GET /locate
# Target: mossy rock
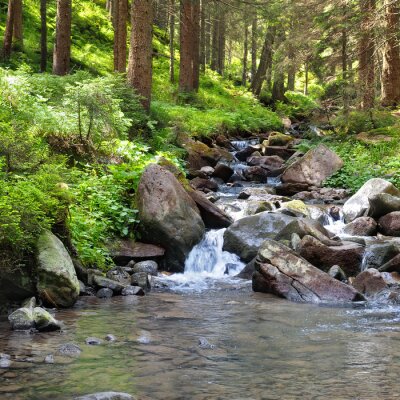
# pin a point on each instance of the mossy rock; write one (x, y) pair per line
(373, 137)
(278, 139)
(297, 206)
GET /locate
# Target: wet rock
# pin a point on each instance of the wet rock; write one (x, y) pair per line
(119, 275)
(306, 226)
(103, 282)
(271, 162)
(377, 254)
(337, 273)
(317, 165)
(256, 174)
(392, 265)
(362, 226)
(223, 172)
(297, 207)
(283, 273)
(382, 204)
(223, 141)
(280, 151)
(133, 291)
(93, 341)
(57, 283)
(277, 139)
(358, 205)
(123, 251)
(248, 271)
(244, 154)
(208, 171)
(141, 279)
(110, 338)
(49, 359)
(44, 321)
(106, 396)
(149, 267)
(169, 217)
(369, 282)
(105, 293)
(69, 350)
(257, 192)
(5, 363)
(389, 224)
(200, 155)
(245, 236)
(348, 255)
(203, 184)
(205, 344)
(212, 216)
(290, 189)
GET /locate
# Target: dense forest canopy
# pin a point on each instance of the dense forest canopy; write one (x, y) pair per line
(93, 91)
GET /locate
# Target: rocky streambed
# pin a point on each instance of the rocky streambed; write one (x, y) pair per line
(222, 254)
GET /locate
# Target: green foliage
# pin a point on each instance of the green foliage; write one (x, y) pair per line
(298, 106)
(363, 121)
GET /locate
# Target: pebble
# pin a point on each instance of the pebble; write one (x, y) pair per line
(49, 359)
(70, 350)
(93, 341)
(110, 338)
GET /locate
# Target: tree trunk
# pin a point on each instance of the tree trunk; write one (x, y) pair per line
(346, 99)
(120, 14)
(141, 50)
(161, 14)
(278, 88)
(62, 46)
(366, 70)
(203, 36)
(390, 80)
(266, 55)
(43, 35)
(291, 82)
(171, 41)
(254, 46)
(17, 31)
(207, 45)
(8, 33)
(306, 69)
(245, 54)
(221, 42)
(215, 37)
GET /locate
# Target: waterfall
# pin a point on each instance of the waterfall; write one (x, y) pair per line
(209, 260)
(242, 144)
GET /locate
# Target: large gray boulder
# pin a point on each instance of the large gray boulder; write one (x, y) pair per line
(168, 215)
(283, 273)
(57, 283)
(312, 169)
(245, 236)
(359, 204)
(382, 204)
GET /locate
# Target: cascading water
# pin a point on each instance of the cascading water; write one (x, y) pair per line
(206, 263)
(242, 144)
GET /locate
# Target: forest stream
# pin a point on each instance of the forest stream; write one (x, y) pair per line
(205, 334)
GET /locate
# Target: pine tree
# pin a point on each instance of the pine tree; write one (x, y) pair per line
(62, 46)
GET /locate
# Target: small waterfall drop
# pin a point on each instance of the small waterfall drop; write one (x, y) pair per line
(335, 225)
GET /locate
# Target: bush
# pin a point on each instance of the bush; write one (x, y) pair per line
(299, 106)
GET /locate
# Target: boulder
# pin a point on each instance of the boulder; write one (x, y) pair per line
(271, 162)
(44, 321)
(245, 236)
(348, 255)
(208, 171)
(392, 265)
(213, 217)
(169, 217)
(278, 139)
(244, 154)
(369, 282)
(149, 267)
(101, 282)
(283, 273)
(290, 189)
(317, 165)
(280, 151)
(256, 174)
(104, 293)
(358, 205)
(382, 204)
(16, 284)
(133, 291)
(248, 271)
(123, 251)
(361, 226)
(120, 275)
(389, 224)
(203, 184)
(377, 254)
(337, 273)
(200, 155)
(141, 279)
(223, 172)
(57, 283)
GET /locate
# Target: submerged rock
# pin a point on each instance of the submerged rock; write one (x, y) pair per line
(359, 205)
(106, 396)
(245, 236)
(282, 272)
(93, 341)
(104, 293)
(69, 350)
(169, 217)
(133, 291)
(57, 283)
(312, 169)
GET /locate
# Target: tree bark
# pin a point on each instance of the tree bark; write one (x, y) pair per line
(62, 46)
(43, 35)
(291, 82)
(245, 54)
(366, 69)
(120, 15)
(221, 42)
(266, 55)
(171, 41)
(140, 54)
(215, 37)
(18, 24)
(203, 36)
(8, 33)
(390, 81)
(196, 44)
(207, 45)
(254, 46)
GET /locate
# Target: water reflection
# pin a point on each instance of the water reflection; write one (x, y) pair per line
(260, 348)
